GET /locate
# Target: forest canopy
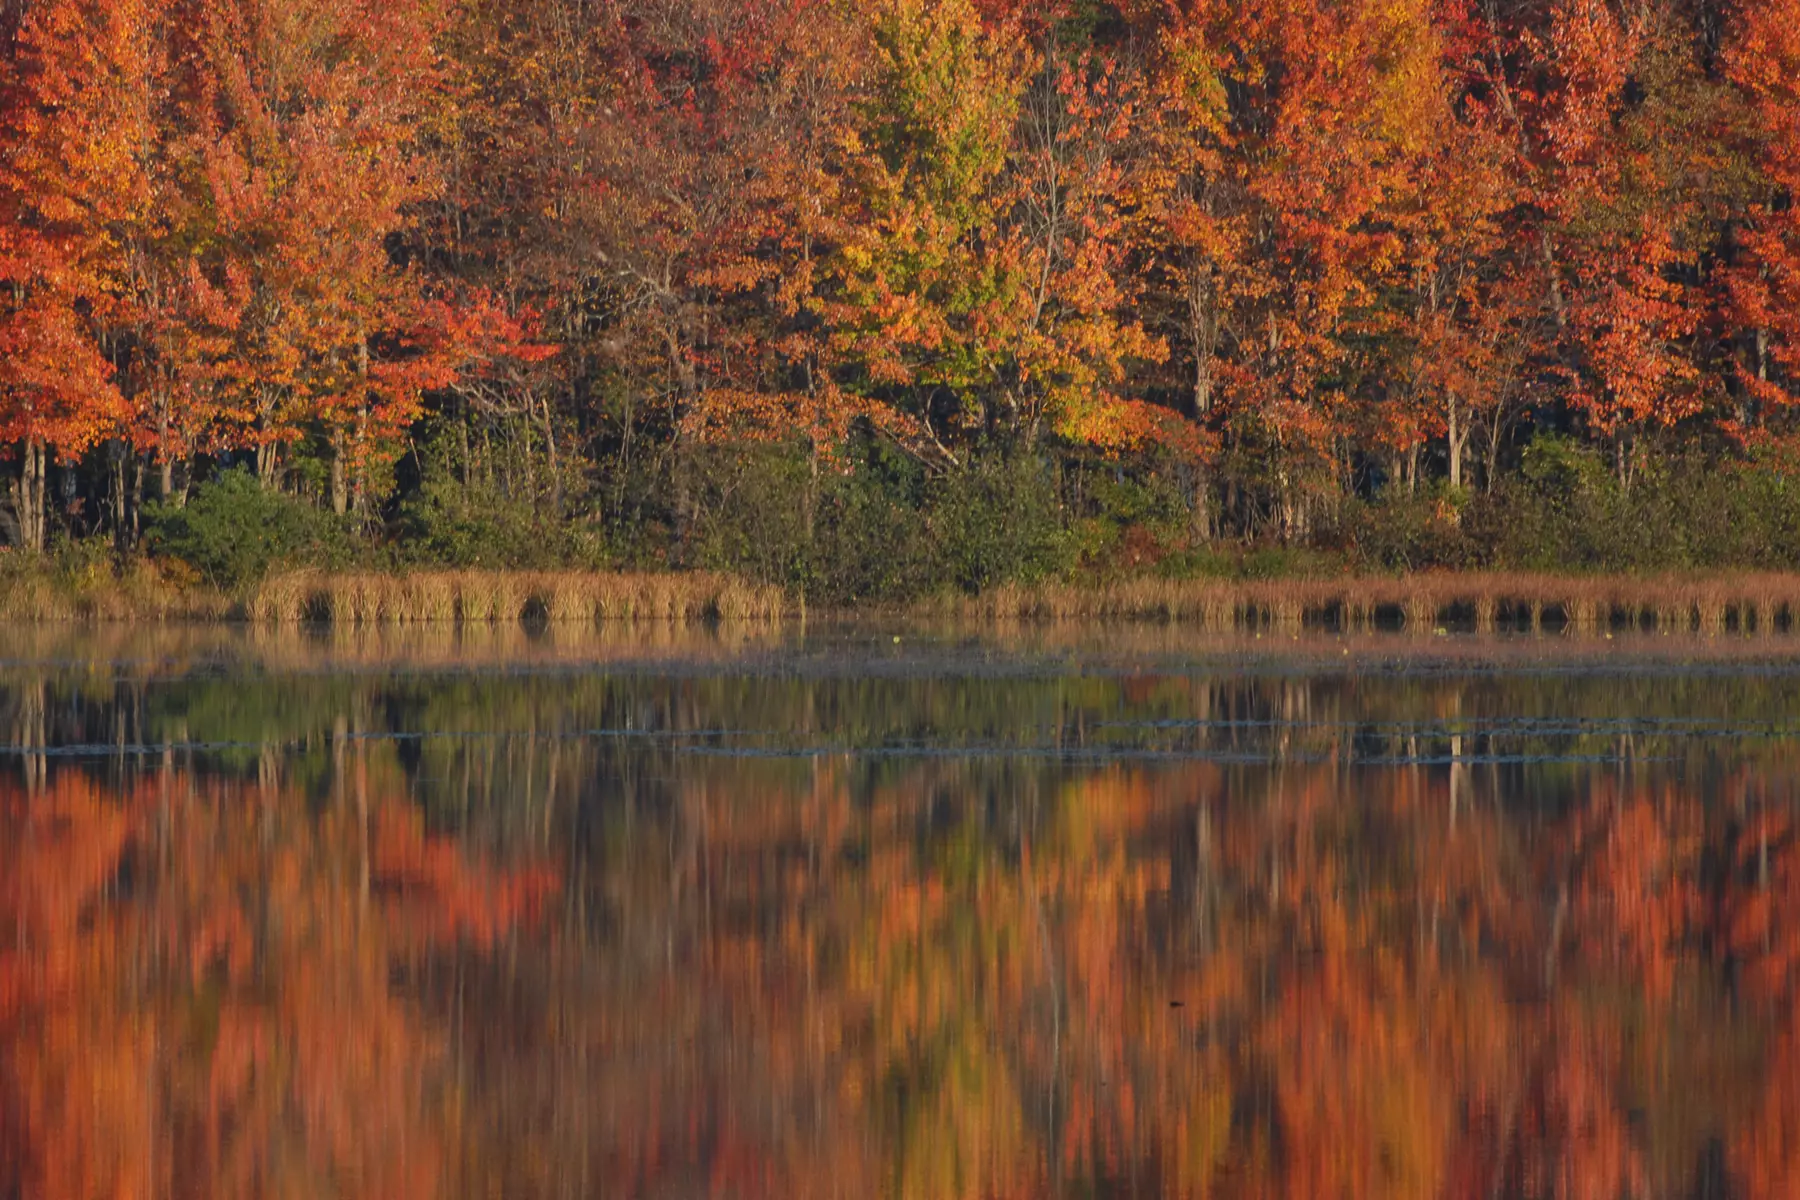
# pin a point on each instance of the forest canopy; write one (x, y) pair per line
(866, 296)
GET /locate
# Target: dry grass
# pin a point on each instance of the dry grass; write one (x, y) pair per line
(1758, 605)
(34, 590)
(490, 597)
(1762, 604)
(39, 590)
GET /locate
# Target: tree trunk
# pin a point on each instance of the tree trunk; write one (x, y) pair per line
(28, 495)
(1493, 457)
(812, 492)
(165, 463)
(268, 462)
(121, 499)
(359, 476)
(171, 490)
(1287, 512)
(1201, 513)
(1458, 433)
(340, 492)
(137, 499)
(556, 493)
(1559, 308)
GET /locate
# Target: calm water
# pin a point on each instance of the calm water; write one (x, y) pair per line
(833, 914)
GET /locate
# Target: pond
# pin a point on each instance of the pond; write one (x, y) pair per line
(897, 911)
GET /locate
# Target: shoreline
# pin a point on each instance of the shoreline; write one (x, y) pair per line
(1752, 603)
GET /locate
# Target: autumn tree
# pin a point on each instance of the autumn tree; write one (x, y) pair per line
(310, 125)
(74, 113)
(1295, 138)
(1763, 62)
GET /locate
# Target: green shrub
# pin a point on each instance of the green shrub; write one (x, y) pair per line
(999, 521)
(495, 507)
(871, 541)
(449, 524)
(1415, 531)
(875, 526)
(233, 531)
(1566, 511)
(750, 512)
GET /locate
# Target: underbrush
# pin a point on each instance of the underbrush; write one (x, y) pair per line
(1568, 512)
(879, 528)
(744, 532)
(79, 580)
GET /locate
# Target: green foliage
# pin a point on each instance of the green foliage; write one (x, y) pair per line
(1568, 511)
(1557, 465)
(872, 539)
(490, 507)
(877, 526)
(999, 522)
(233, 531)
(1407, 531)
(81, 564)
(753, 505)
(1254, 562)
(1125, 515)
(446, 523)
(885, 530)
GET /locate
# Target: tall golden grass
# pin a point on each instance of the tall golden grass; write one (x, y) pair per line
(1756, 604)
(489, 597)
(33, 590)
(1761, 603)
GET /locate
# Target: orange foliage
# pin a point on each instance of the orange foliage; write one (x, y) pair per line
(1309, 233)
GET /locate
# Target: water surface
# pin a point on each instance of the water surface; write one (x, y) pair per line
(896, 912)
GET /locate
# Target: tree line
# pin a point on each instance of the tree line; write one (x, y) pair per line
(418, 262)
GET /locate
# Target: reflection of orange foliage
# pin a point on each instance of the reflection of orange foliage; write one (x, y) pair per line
(910, 984)
(72, 1067)
(1761, 915)
(1760, 934)
(436, 891)
(1573, 1140)
(1361, 1113)
(1168, 980)
(1636, 892)
(1767, 1151)
(201, 994)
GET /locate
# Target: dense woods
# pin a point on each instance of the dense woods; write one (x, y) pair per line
(867, 298)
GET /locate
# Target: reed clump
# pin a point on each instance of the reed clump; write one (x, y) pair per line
(89, 587)
(499, 597)
(1762, 604)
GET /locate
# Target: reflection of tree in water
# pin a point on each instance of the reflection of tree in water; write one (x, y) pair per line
(975, 979)
(869, 974)
(198, 997)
